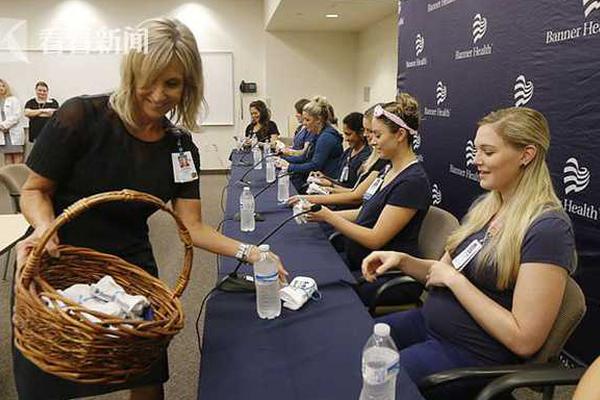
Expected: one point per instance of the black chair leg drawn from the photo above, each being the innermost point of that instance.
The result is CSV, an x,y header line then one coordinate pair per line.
x,y
548,393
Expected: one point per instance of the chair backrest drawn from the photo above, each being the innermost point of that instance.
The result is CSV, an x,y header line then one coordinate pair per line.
x,y
437,226
570,314
13,176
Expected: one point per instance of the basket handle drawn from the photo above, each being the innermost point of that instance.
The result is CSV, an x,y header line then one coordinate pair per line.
x,y
33,262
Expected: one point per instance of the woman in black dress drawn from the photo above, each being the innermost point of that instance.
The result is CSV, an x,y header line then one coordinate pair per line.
x,y
261,125
101,143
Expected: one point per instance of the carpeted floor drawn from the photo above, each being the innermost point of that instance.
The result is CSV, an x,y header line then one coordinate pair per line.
x,y
183,352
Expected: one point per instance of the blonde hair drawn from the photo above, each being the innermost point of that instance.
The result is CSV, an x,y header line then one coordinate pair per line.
x,y
168,40
320,108
533,195
373,157
7,91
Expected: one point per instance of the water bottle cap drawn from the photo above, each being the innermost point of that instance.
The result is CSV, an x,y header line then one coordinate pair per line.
x,y
264,248
381,329
246,188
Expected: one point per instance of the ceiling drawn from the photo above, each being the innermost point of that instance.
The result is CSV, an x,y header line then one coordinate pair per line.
x,y
309,15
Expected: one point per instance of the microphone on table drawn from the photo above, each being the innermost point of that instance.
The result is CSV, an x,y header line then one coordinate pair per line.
x,y
245,282
257,216
242,161
241,181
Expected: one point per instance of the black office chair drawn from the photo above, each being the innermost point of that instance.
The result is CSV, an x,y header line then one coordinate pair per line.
x,y
437,226
13,176
502,379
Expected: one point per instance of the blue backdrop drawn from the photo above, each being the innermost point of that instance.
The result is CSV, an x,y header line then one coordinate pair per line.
x,y
464,58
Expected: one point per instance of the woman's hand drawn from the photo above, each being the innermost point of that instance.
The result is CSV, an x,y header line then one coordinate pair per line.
x,y
293,200
441,275
325,182
324,214
254,257
379,262
281,163
25,246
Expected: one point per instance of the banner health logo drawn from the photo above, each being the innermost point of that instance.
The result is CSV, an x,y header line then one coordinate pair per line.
x,y
576,178
523,91
436,5
419,47
479,31
436,194
13,40
587,28
441,93
470,153
479,27
470,160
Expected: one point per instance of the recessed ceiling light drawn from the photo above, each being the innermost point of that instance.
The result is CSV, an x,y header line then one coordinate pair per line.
x,y
331,15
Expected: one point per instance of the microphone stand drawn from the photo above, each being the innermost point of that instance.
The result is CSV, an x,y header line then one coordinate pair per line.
x,y
245,283
241,181
257,216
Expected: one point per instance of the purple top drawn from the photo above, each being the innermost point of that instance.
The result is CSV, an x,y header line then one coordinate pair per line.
x,y
549,240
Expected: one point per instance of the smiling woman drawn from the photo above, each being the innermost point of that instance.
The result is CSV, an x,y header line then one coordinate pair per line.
x,y
97,144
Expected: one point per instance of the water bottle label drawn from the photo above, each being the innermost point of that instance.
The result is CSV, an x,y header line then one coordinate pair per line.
x,y
379,375
266,278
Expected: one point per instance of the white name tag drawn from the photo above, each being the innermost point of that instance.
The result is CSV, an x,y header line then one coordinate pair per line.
x,y
344,174
184,169
373,188
462,259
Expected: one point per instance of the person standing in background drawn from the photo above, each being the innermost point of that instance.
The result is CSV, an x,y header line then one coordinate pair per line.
x,y
39,110
12,138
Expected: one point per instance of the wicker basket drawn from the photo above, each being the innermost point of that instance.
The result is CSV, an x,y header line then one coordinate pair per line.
x,y
65,343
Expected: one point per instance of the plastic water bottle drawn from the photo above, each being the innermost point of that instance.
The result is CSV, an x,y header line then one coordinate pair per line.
x,y
283,186
270,166
380,365
247,223
257,155
268,303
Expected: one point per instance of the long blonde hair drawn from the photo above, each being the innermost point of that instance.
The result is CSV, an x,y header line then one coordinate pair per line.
x,y
7,91
533,195
168,40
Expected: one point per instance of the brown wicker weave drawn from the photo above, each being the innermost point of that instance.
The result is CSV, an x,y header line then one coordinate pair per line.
x,y
65,343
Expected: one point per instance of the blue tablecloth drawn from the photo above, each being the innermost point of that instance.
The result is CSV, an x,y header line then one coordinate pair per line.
x,y
309,354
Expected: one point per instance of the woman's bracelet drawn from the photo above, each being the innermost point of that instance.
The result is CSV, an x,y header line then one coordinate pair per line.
x,y
243,252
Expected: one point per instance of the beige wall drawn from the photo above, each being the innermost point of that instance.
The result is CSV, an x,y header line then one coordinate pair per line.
x,y
305,64
377,62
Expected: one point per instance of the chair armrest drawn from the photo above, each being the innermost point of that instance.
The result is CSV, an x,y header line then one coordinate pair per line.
x,y
540,376
434,381
395,282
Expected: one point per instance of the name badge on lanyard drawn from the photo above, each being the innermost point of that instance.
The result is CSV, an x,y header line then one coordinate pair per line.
x,y
345,170
376,185
184,169
465,256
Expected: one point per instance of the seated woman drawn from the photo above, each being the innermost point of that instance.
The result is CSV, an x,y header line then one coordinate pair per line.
x,y
496,292
354,156
324,154
396,203
367,173
261,125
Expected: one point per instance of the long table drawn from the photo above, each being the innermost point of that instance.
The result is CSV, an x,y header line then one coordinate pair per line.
x,y
313,353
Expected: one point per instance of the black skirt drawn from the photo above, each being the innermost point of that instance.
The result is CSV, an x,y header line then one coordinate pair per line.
x,y
34,384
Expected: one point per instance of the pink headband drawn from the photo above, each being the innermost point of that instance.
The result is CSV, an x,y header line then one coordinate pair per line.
x,y
379,111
